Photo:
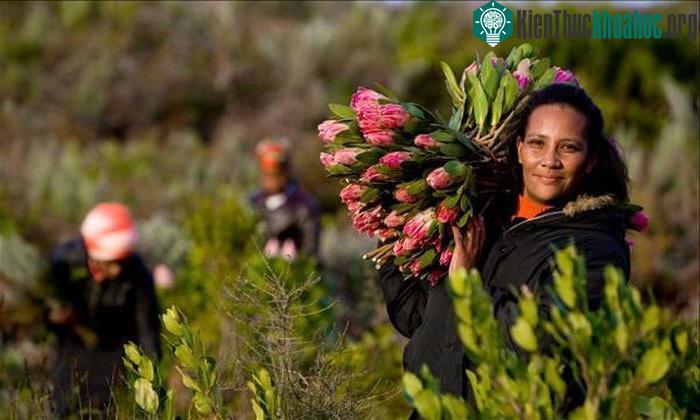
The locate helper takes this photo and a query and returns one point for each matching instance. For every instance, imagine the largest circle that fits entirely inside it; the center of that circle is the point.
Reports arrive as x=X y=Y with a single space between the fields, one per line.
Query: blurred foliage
x=630 y=359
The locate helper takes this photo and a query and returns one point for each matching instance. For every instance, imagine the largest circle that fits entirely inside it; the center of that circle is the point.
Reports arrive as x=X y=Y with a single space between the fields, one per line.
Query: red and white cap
x=109 y=232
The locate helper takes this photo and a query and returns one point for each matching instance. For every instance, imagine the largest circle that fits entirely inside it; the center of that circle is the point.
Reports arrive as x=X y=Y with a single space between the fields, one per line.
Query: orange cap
x=273 y=156
x=109 y=232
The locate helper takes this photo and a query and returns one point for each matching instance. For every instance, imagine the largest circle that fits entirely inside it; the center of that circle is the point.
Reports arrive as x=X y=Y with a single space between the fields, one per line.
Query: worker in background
x=290 y=215
x=105 y=298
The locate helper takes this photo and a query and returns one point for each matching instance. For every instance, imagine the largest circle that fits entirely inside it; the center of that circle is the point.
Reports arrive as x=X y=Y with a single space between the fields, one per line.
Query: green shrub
x=633 y=359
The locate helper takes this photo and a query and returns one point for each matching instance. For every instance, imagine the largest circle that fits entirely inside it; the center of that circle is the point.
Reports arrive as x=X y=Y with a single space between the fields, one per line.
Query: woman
x=569 y=178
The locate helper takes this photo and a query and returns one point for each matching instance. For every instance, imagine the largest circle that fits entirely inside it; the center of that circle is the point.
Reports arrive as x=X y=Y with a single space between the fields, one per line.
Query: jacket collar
x=582 y=204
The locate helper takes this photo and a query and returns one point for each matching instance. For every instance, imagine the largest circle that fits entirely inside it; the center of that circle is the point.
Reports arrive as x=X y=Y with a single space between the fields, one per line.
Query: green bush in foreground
x=196 y=368
x=633 y=359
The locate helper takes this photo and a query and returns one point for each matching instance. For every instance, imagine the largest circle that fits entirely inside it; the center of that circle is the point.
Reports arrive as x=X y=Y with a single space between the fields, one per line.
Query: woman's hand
x=468 y=245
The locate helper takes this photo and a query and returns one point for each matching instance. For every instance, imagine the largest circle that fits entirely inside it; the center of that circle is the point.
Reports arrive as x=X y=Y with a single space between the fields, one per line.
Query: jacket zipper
x=533 y=219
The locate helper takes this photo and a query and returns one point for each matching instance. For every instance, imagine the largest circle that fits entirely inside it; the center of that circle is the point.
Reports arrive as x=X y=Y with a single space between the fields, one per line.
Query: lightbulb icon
x=492 y=21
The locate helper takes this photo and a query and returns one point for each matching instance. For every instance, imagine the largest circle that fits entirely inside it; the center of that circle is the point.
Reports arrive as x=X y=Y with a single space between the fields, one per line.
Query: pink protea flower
x=355 y=206
x=368 y=221
x=419 y=226
x=446 y=257
x=398 y=248
x=446 y=214
x=372 y=174
x=394 y=219
x=425 y=141
x=639 y=221
x=404 y=246
x=565 y=76
x=473 y=68
x=347 y=156
x=522 y=74
x=385 y=234
x=363 y=97
x=373 y=116
x=394 y=160
x=523 y=79
x=327 y=160
x=351 y=192
x=401 y=195
x=379 y=137
x=392 y=116
x=435 y=276
x=328 y=129
x=410 y=244
x=415 y=267
x=439 y=179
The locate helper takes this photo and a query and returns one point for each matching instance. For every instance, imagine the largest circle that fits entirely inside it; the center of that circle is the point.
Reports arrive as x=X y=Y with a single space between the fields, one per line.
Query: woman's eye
x=535 y=142
x=570 y=148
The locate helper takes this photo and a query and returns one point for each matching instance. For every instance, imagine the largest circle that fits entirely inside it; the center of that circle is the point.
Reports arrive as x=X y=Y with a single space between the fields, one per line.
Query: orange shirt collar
x=528 y=208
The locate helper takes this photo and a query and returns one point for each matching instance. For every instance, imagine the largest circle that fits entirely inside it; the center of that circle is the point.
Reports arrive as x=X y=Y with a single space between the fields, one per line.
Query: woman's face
x=554 y=153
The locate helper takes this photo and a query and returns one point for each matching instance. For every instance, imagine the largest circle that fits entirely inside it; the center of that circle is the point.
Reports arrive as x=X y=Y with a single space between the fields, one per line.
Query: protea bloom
x=368 y=221
x=565 y=76
x=420 y=226
x=446 y=214
x=394 y=219
x=394 y=160
x=436 y=275
x=364 y=97
x=402 y=195
x=327 y=159
x=446 y=257
x=346 y=156
x=439 y=179
x=372 y=174
x=351 y=192
x=639 y=221
x=379 y=137
x=328 y=129
x=425 y=141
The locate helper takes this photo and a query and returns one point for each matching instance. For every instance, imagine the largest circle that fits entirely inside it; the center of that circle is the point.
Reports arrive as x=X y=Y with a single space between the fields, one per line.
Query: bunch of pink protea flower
x=410 y=174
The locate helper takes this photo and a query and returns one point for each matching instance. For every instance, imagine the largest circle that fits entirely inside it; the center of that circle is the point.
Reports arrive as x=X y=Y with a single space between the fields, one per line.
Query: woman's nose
x=550 y=158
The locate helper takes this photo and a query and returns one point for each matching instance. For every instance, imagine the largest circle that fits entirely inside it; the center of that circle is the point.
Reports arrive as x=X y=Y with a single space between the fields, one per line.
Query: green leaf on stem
x=546 y=79
x=480 y=103
x=497 y=107
x=539 y=68
x=453 y=89
x=391 y=96
x=454 y=150
x=443 y=136
x=342 y=111
x=489 y=78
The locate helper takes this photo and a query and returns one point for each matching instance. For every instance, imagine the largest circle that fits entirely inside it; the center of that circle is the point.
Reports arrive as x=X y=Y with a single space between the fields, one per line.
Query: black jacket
x=520 y=256
x=117 y=311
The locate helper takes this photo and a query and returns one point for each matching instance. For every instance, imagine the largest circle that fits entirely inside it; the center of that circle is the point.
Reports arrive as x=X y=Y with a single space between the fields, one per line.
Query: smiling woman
x=571 y=185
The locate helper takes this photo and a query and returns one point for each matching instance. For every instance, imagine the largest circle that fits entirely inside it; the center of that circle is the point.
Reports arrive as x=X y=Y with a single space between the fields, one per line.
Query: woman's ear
x=518 y=146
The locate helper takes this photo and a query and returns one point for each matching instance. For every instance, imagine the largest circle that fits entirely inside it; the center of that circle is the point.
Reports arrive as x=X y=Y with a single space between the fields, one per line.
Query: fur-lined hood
x=585 y=203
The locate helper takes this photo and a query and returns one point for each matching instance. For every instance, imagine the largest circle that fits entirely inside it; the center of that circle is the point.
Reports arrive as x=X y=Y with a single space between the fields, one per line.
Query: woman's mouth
x=548 y=180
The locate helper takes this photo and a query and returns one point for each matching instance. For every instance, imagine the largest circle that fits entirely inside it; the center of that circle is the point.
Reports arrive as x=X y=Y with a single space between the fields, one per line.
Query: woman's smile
x=548 y=179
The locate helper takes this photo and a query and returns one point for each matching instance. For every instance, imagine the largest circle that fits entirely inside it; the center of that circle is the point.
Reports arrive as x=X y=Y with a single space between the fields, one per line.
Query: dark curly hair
x=609 y=173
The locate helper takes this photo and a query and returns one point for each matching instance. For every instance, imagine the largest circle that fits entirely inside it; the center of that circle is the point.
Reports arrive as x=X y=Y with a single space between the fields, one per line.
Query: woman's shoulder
x=599 y=215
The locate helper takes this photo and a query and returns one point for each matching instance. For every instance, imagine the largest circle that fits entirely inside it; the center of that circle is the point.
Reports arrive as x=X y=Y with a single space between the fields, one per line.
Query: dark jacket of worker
x=521 y=255
x=292 y=214
x=105 y=316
